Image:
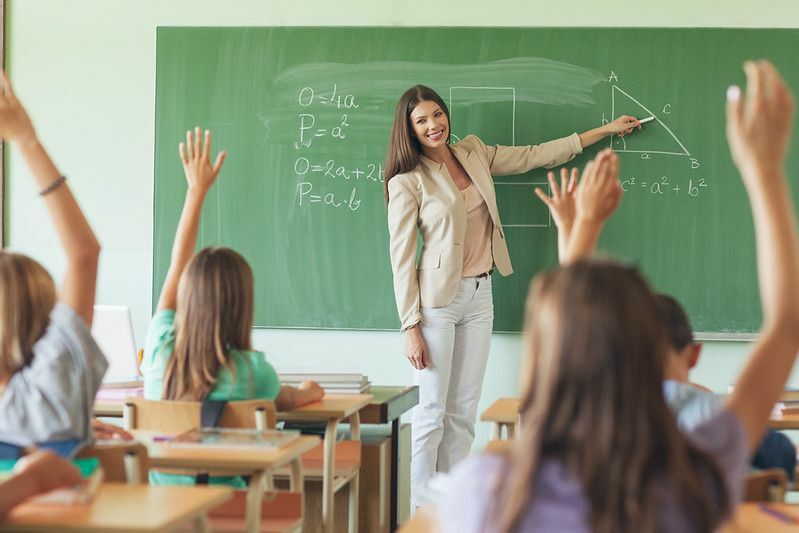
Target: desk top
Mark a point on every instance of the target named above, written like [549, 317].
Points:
[389, 403]
[504, 411]
[162, 455]
[121, 507]
[331, 407]
[787, 421]
[748, 518]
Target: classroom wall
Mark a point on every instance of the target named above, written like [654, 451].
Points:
[86, 70]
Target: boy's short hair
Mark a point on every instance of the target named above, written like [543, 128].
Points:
[678, 328]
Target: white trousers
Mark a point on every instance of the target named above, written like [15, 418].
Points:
[458, 338]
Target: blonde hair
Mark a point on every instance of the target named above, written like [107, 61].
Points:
[593, 401]
[213, 316]
[27, 296]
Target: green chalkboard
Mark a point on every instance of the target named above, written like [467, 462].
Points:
[306, 112]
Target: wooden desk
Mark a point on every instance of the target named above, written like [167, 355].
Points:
[502, 413]
[750, 518]
[123, 507]
[388, 404]
[255, 463]
[788, 421]
[331, 410]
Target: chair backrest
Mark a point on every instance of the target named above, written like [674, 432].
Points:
[177, 416]
[766, 485]
[123, 461]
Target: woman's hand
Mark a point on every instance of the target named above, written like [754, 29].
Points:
[600, 192]
[759, 124]
[562, 202]
[195, 155]
[415, 349]
[622, 125]
[15, 124]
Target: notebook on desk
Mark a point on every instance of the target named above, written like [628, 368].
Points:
[227, 438]
[113, 331]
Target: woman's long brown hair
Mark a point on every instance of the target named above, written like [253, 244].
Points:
[213, 316]
[595, 346]
[403, 147]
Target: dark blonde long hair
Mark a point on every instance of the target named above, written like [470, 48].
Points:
[403, 146]
[595, 343]
[27, 296]
[213, 316]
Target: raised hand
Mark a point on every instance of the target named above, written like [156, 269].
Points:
[600, 192]
[759, 122]
[15, 124]
[195, 155]
[562, 202]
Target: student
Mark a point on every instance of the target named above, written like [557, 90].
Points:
[445, 303]
[694, 404]
[599, 449]
[50, 366]
[36, 473]
[198, 344]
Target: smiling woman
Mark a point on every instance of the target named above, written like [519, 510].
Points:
[445, 302]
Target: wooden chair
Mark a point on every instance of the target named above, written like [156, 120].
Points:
[123, 461]
[766, 486]
[281, 511]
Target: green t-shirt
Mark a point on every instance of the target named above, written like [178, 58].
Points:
[255, 379]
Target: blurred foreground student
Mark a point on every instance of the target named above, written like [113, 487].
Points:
[50, 366]
[599, 449]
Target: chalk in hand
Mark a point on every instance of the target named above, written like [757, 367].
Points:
[645, 120]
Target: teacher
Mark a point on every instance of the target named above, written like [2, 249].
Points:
[445, 302]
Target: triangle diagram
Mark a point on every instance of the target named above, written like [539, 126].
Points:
[654, 138]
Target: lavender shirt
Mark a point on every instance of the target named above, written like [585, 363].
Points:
[559, 503]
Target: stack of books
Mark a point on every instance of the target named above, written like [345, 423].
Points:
[789, 402]
[333, 380]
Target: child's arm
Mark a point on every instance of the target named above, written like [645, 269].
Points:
[195, 155]
[291, 397]
[37, 473]
[80, 245]
[758, 131]
[598, 196]
[561, 204]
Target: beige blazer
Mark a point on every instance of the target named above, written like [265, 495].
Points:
[426, 200]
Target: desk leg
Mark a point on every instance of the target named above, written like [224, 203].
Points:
[395, 428]
[511, 431]
[255, 494]
[328, 482]
[496, 431]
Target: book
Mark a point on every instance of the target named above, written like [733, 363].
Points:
[118, 395]
[227, 438]
[80, 494]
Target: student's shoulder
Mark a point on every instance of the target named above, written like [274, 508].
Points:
[469, 491]
[66, 334]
